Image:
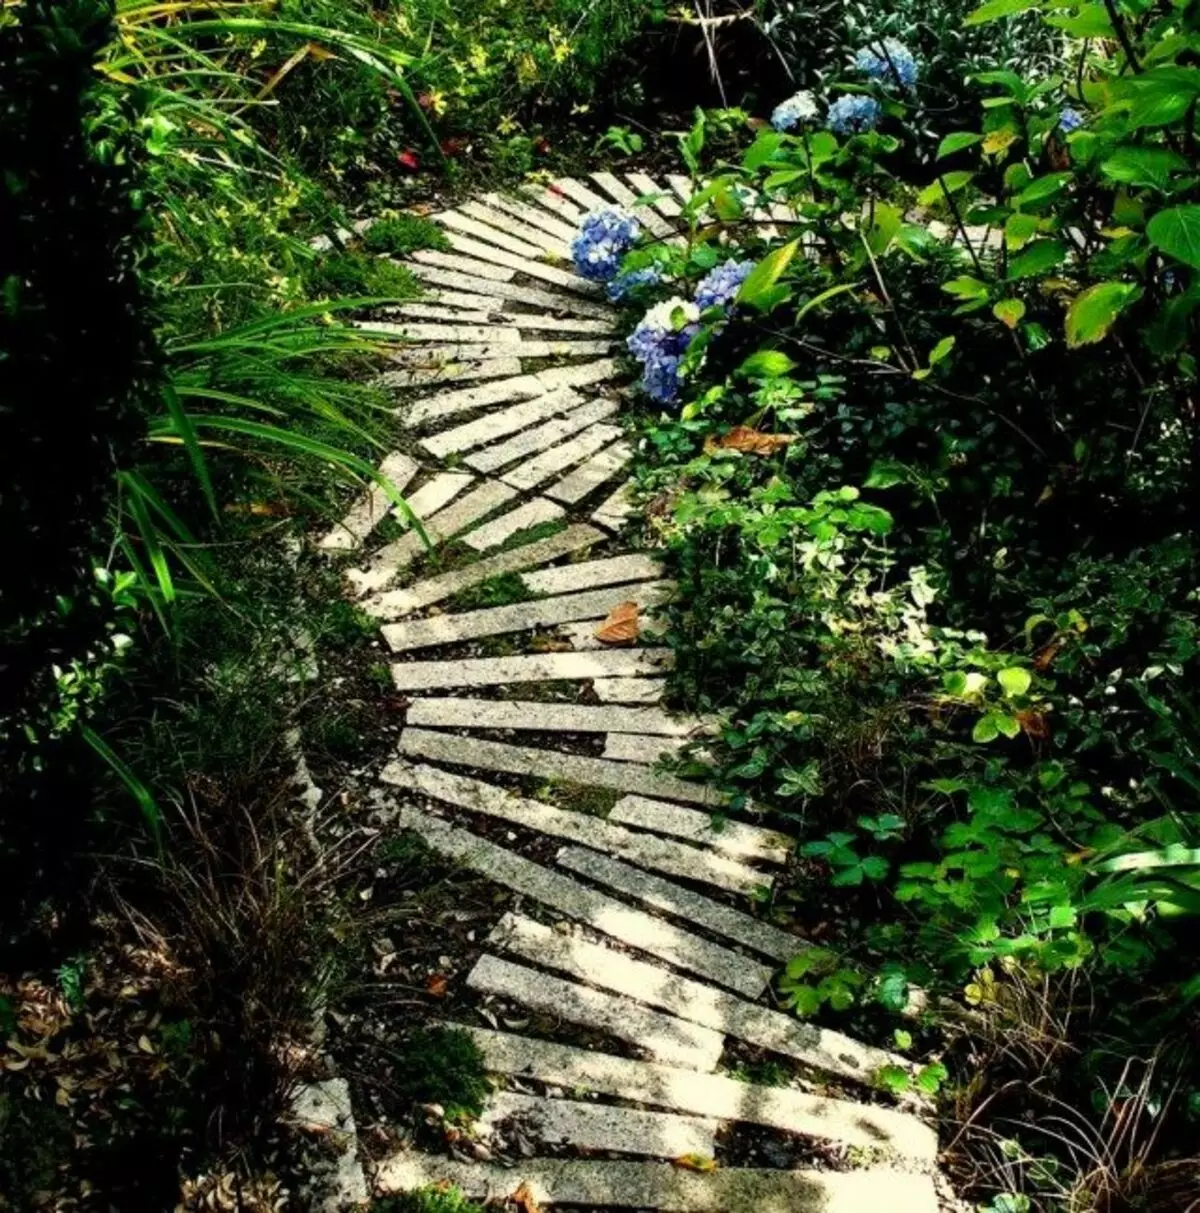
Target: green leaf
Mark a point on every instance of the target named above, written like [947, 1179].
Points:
[1176, 232]
[1009, 312]
[1039, 258]
[947, 183]
[1093, 311]
[986, 729]
[941, 350]
[1042, 189]
[965, 287]
[758, 287]
[1015, 680]
[931, 1077]
[766, 364]
[1008, 725]
[1151, 166]
[1019, 230]
[993, 10]
[805, 1001]
[1089, 21]
[1062, 916]
[762, 149]
[893, 1078]
[875, 867]
[956, 142]
[902, 1039]
[823, 297]
[884, 474]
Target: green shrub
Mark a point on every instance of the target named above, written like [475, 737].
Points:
[402, 234]
[442, 1066]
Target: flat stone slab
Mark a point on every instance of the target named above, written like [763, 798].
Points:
[428, 331]
[499, 530]
[534, 216]
[501, 286]
[524, 265]
[625, 747]
[520, 616]
[551, 462]
[670, 898]
[629, 690]
[661, 1185]
[664, 203]
[733, 837]
[371, 508]
[602, 913]
[646, 850]
[553, 764]
[454, 713]
[555, 200]
[393, 603]
[712, 1095]
[531, 667]
[324, 1108]
[662, 1036]
[456, 222]
[615, 511]
[498, 220]
[596, 1126]
[581, 195]
[538, 438]
[502, 422]
[472, 267]
[464, 400]
[586, 479]
[651, 220]
[526, 347]
[636, 566]
[449, 371]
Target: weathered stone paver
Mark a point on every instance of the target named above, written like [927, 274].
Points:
[733, 837]
[457, 222]
[510, 225]
[499, 423]
[664, 203]
[614, 511]
[531, 667]
[550, 463]
[500, 530]
[534, 216]
[625, 747]
[629, 690]
[587, 479]
[499, 285]
[538, 438]
[462, 713]
[633, 566]
[370, 509]
[437, 370]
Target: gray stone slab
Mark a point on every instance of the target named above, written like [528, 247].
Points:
[460, 713]
[581, 374]
[324, 1108]
[646, 850]
[466, 399]
[501, 422]
[504, 288]
[538, 322]
[674, 899]
[526, 233]
[531, 667]
[518, 616]
[596, 1126]
[534, 216]
[615, 510]
[629, 690]
[712, 1095]
[551, 462]
[523, 265]
[602, 913]
[391, 604]
[538, 438]
[663, 1037]
[664, 203]
[662, 1185]
[450, 371]
[553, 764]
[653, 222]
[456, 263]
[470, 226]
[625, 747]
[499, 530]
[371, 508]
[526, 347]
[455, 308]
[733, 837]
[426, 331]
[581, 194]
[553, 199]
[587, 478]
[612, 570]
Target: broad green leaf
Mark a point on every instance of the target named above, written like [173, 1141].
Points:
[1093, 311]
[823, 297]
[766, 364]
[1089, 21]
[965, 287]
[887, 222]
[1176, 232]
[762, 149]
[884, 474]
[1019, 230]
[1009, 312]
[1039, 258]
[993, 10]
[757, 289]
[1008, 725]
[947, 183]
[1015, 680]
[941, 350]
[1041, 189]
[1143, 166]
[956, 142]
[986, 729]
[1007, 80]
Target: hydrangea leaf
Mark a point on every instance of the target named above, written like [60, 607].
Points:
[1093, 311]
[1176, 232]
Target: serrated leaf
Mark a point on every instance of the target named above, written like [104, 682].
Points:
[759, 287]
[1143, 166]
[965, 287]
[1092, 312]
[1039, 258]
[993, 10]
[1009, 312]
[947, 183]
[766, 364]
[1176, 232]
[956, 142]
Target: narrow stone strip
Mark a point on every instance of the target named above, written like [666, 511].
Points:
[451, 315]
[522, 265]
[524, 348]
[455, 713]
[553, 764]
[654, 223]
[419, 331]
[324, 1108]
[587, 479]
[534, 216]
[615, 510]
[634, 566]
[550, 462]
[530, 514]
[580, 375]
[602, 913]
[393, 603]
[370, 509]
[499, 424]
[530, 667]
[463, 400]
[625, 747]
[469, 226]
[551, 246]
[629, 690]
[448, 372]
[733, 837]
[674, 899]
[646, 850]
[594, 1126]
[682, 187]
[666, 206]
[517, 616]
[664, 1037]
[503, 288]
[537, 322]
[554, 199]
[452, 303]
[580, 194]
[714, 1095]
[456, 263]
[664, 1186]
[538, 438]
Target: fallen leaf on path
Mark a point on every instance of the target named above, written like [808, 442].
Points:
[748, 441]
[524, 1197]
[437, 985]
[621, 626]
[695, 1162]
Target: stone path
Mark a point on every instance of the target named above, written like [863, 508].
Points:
[642, 930]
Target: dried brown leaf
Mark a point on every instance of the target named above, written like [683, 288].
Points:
[621, 626]
[748, 441]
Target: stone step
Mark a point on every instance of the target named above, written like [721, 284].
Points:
[455, 263]
[629, 690]
[534, 216]
[524, 347]
[714, 1095]
[602, 913]
[540, 437]
[371, 508]
[430, 332]
[550, 463]
[531, 667]
[500, 530]
[553, 199]
[821, 1050]
[456, 308]
[520, 616]
[733, 837]
[391, 604]
[596, 1126]
[538, 322]
[615, 510]
[552, 764]
[646, 850]
[502, 422]
[502, 287]
[663, 1037]
[586, 479]
[524, 265]
[665, 203]
[447, 371]
[612, 570]
[456, 222]
[664, 1186]
[581, 194]
[650, 219]
[455, 713]
[627, 747]
[671, 898]
[536, 237]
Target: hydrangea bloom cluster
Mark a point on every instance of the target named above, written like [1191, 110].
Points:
[604, 238]
[852, 113]
[888, 61]
[720, 286]
[622, 284]
[659, 346]
[1069, 120]
[799, 108]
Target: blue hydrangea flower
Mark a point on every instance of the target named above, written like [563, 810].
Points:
[620, 287]
[852, 113]
[719, 286]
[889, 62]
[605, 236]
[659, 346]
[1069, 119]
[799, 108]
